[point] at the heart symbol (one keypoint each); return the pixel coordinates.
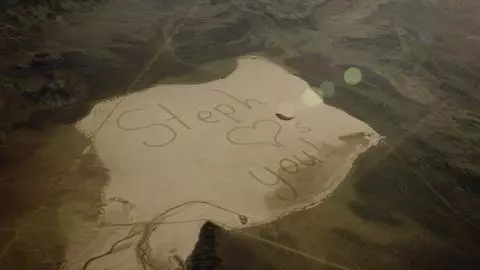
(247, 135)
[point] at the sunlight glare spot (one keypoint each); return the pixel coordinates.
(353, 76)
(327, 89)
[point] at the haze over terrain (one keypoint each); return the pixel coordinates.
(409, 202)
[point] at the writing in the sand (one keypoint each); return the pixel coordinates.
(286, 166)
(171, 126)
(243, 134)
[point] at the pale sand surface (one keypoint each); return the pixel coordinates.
(218, 143)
